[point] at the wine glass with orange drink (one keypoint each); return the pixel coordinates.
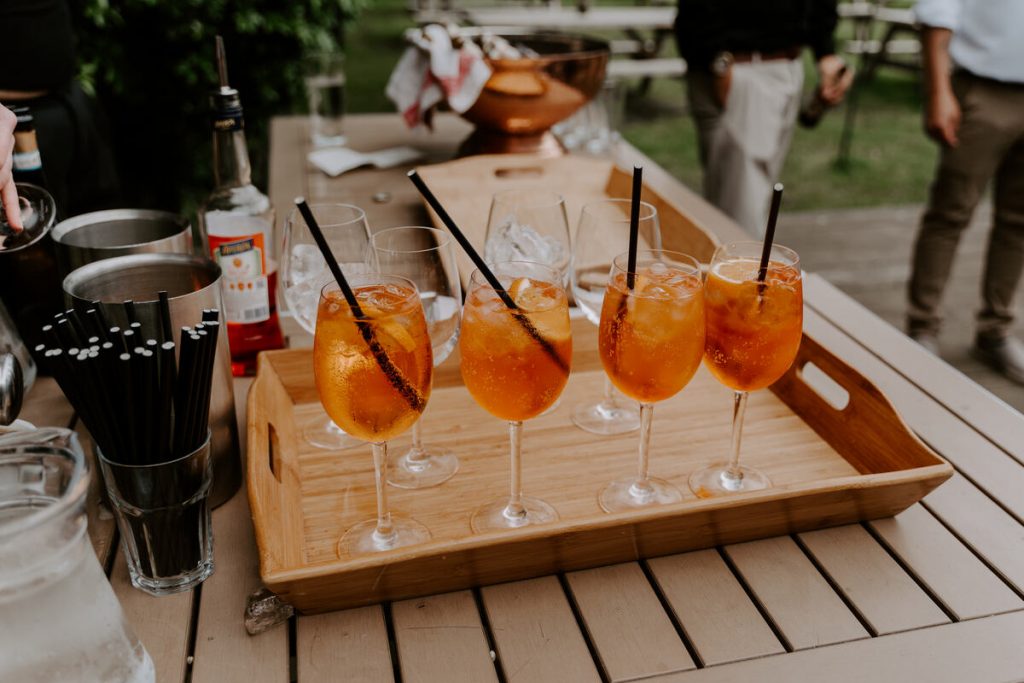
(373, 366)
(651, 341)
(754, 328)
(516, 351)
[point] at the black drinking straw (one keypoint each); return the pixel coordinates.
(769, 235)
(394, 375)
(634, 224)
(482, 267)
(165, 316)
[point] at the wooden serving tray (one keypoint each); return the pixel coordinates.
(831, 464)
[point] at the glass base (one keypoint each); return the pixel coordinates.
(606, 418)
(363, 537)
(430, 468)
(714, 480)
(169, 585)
(625, 494)
(329, 436)
(494, 516)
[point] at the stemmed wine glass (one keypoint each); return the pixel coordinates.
(754, 328)
(373, 369)
(427, 257)
(515, 364)
(651, 341)
(602, 231)
(304, 273)
(529, 225)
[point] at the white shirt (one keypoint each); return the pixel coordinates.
(988, 35)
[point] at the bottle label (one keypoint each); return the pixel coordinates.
(26, 152)
(242, 260)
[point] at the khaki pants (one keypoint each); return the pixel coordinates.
(991, 145)
(743, 146)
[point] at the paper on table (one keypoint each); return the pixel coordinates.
(338, 160)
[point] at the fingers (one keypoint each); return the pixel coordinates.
(9, 198)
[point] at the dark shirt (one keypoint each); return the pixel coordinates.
(37, 45)
(706, 27)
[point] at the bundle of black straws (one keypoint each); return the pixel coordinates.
(141, 404)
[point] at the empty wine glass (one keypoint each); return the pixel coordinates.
(426, 256)
(304, 273)
(529, 225)
(602, 234)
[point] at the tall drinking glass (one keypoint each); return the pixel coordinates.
(515, 364)
(373, 375)
(602, 233)
(529, 225)
(427, 257)
(753, 334)
(325, 88)
(651, 341)
(304, 273)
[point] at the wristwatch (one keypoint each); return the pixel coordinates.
(721, 63)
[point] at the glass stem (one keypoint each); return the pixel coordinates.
(416, 453)
(515, 509)
(642, 485)
(733, 474)
(385, 531)
(609, 392)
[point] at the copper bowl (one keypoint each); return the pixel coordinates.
(525, 97)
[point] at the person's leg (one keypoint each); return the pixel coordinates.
(960, 179)
(704, 109)
(1005, 260)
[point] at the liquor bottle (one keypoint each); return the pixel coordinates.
(27, 164)
(236, 225)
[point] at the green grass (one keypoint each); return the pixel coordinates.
(891, 160)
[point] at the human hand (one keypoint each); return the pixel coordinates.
(942, 117)
(8, 193)
(834, 79)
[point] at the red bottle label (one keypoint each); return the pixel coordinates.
(245, 288)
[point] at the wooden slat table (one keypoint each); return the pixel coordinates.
(936, 593)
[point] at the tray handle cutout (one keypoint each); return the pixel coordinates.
(824, 385)
(865, 428)
(273, 452)
(519, 172)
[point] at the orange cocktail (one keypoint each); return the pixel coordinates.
(373, 375)
(754, 328)
(651, 340)
(515, 363)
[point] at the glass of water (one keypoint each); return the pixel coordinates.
(529, 225)
(325, 87)
(304, 273)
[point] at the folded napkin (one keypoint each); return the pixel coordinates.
(337, 160)
(434, 70)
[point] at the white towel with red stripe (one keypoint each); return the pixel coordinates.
(435, 70)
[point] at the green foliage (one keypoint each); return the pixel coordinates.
(151, 64)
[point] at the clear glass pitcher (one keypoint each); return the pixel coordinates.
(59, 617)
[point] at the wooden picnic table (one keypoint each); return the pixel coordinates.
(936, 593)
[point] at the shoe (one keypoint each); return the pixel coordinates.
(927, 340)
(1005, 355)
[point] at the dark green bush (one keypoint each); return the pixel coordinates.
(151, 65)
